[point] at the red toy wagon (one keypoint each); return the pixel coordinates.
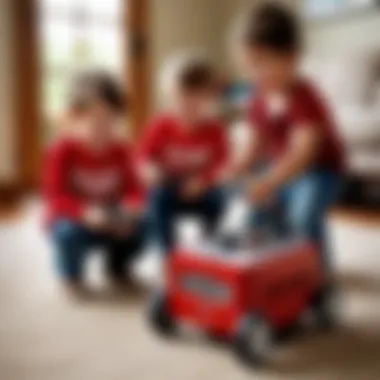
(243, 296)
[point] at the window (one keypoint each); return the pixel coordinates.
(76, 34)
(316, 9)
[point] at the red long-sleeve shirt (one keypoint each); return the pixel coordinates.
(76, 176)
(201, 151)
(305, 107)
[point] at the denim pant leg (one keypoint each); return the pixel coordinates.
(120, 252)
(307, 201)
(163, 209)
(211, 208)
(72, 243)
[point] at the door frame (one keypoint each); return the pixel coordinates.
(27, 93)
(137, 60)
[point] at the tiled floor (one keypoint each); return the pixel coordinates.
(43, 336)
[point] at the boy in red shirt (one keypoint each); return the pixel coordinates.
(91, 190)
(291, 130)
(184, 150)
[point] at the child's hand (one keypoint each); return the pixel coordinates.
(194, 188)
(228, 175)
(95, 218)
(152, 176)
(260, 191)
(137, 210)
(122, 231)
(233, 172)
(126, 220)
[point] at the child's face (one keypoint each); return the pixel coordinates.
(97, 124)
(197, 105)
(270, 70)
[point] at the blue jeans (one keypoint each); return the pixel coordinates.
(166, 205)
(73, 243)
(300, 209)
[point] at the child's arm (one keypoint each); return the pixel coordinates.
(134, 194)
(148, 152)
(59, 199)
(309, 114)
(56, 194)
(300, 155)
(251, 156)
(243, 162)
(301, 152)
(213, 176)
(219, 161)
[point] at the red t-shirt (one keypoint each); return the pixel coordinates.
(75, 176)
(304, 107)
(182, 152)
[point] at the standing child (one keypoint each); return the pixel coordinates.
(184, 150)
(89, 183)
(292, 130)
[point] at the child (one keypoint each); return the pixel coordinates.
(89, 183)
(184, 150)
(291, 130)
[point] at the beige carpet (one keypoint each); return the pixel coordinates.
(43, 336)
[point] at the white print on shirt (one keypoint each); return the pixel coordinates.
(97, 183)
(187, 157)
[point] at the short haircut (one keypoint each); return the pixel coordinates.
(92, 86)
(274, 26)
(189, 72)
(197, 75)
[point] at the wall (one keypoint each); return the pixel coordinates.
(180, 24)
(7, 163)
(351, 33)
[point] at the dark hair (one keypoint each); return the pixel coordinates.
(274, 26)
(197, 75)
(91, 86)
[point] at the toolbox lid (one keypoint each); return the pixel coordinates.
(213, 250)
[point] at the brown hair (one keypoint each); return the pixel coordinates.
(197, 75)
(274, 26)
(91, 86)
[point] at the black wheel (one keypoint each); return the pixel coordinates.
(326, 307)
(253, 340)
(159, 317)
